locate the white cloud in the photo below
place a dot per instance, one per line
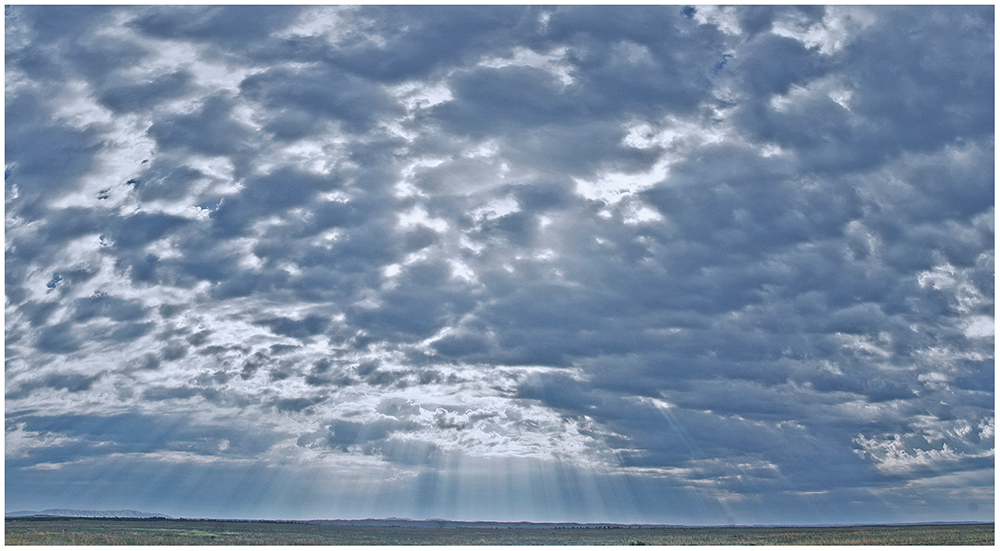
(722, 17)
(421, 95)
(980, 327)
(554, 62)
(892, 456)
(830, 34)
(19, 443)
(418, 216)
(496, 208)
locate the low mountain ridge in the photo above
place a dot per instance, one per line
(83, 513)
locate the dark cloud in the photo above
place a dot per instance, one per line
(146, 361)
(544, 195)
(460, 346)
(157, 394)
(499, 100)
(40, 172)
(71, 382)
(174, 351)
(55, 23)
(200, 337)
(166, 181)
(308, 326)
(58, 338)
(252, 364)
(227, 26)
(272, 193)
(135, 97)
(944, 84)
(370, 437)
(756, 19)
(301, 98)
(130, 331)
(297, 404)
(101, 305)
(773, 64)
(135, 433)
(422, 305)
(210, 131)
(420, 41)
(38, 313)
(870, 129)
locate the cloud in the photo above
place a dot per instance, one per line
(58, 338)
(736, 258)
(209, 131)
(226, 25)
(301, 98)
(135, 97)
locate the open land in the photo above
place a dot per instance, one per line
(105, 531)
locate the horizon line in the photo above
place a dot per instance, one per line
(160, 516)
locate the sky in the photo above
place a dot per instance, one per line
(665, 264)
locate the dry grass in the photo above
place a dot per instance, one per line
(65, 531)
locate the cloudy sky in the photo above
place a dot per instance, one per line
(636, 264)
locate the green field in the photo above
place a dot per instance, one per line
(79, 531)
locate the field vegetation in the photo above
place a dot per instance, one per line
(104, 531)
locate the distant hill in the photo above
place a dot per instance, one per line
(125, 513)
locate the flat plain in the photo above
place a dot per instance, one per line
(105, 531)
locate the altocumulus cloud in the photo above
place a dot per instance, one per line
(664, 264)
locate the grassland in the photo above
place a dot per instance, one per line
(79, 531)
